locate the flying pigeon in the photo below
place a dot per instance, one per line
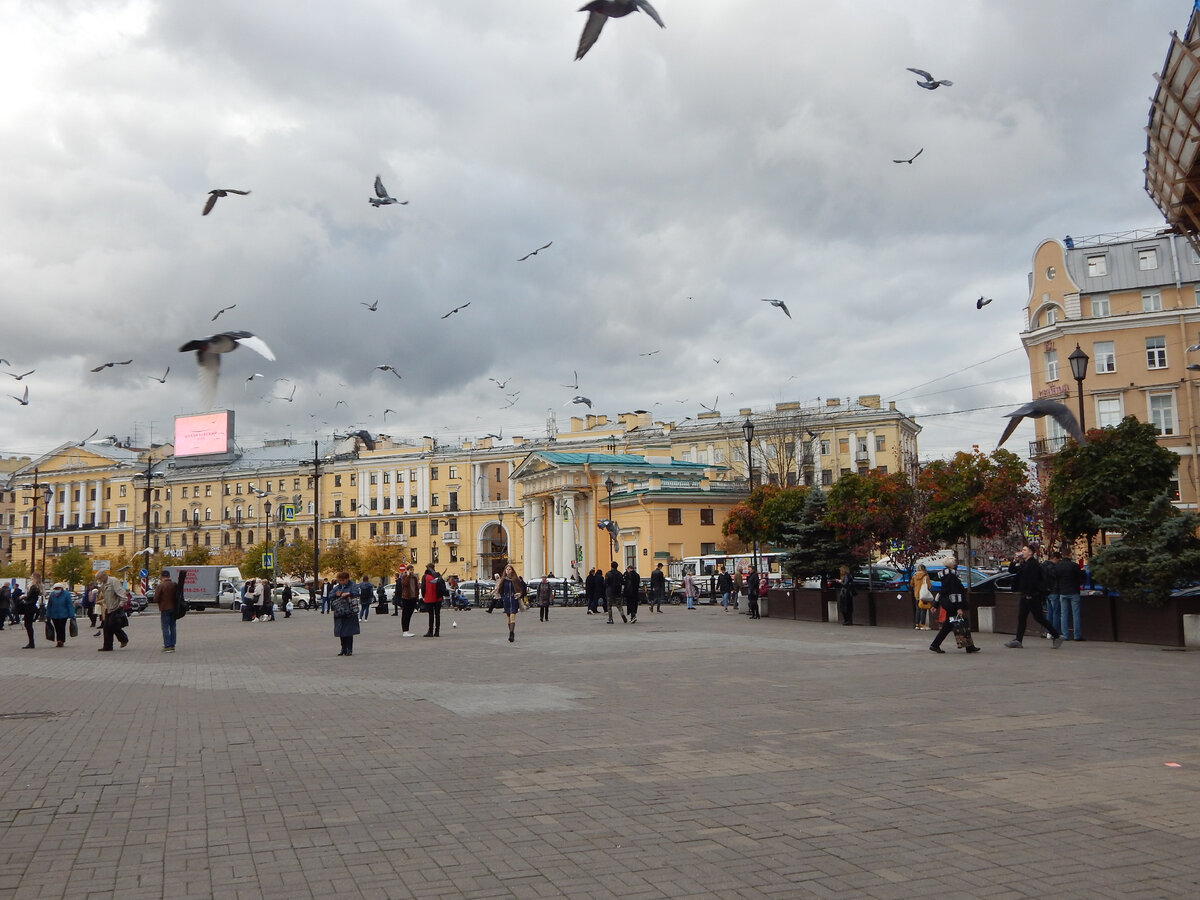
(24, 401)
(781, 305)
(88, 438)
(212, 200)
(382, 197)
(911, 158)
(162, 380)
(221, 310)
(512, 401)
(535, 252)
(371, 306)
(208, 352)
(22, 375)
(456, 309)
(611, 527)
(574, 386)
(109, 365)
(982, 302)
(716, 360)
(651, 353)
(582, 399)
(712, 408)
(600, 11)
(391, 369)
(501, 384)
(1036, 409)
(929, 84)
(254, 375)
(290, 397)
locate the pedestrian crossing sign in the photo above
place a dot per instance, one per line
(289, 512)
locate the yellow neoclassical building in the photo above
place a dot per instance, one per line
(469, 506)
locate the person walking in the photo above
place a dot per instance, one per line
(953, 599)
(737, 588)
(268, 601)
(366, 596)
(724, 587)
(32, 601)
(614, 585)
(593, 586)
(752, 593)
(343, 603)
(509, 590)
(544, 596)
(325, 592)
(286, 599)
(658, 589)
(5, 604)
(632, 591)
(112, 611)
(922, 598)
(409, 589)
(846, 592)
(60, 607)
(166, 596)
(690, 591)
(1068, 576)
(87, 603)
(433, 589)
(1029, 583)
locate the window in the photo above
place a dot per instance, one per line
(226, 490)
(1147, 259)
(1105, 356)
(497, 473)
(706, 517)
(1156, 353)
(452, 524)
(452, 472)
(183, 493)
(353, 531)
(412, 502)
(122, 513)
(1108, 412)
(412, 529)
(373, 479)
(674, 516)
(337, 480)
(121, 491)
(433, 500)
(387, 502)
(337, 509)
(1051, 316)
(387, 477)
(337, 531)
(1151, 301)
(1100, 307)
(882, 470)
(295, 484)
(826, 477)
(861, 445)
(843, 445)
(1097, 266)
(824, 448)
(453, 501)
(374, 504)
(880, 443)
(208, 514)
(1162, 412)
(238, 489)
(433, 473)
(1051, 359)
(353, 479)
(207, 491)
(433, 526)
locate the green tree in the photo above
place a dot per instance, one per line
(252, 566)
(973, 495)
(341, 557)
(15, 569)
(814, 548)
(296, 559)
(382, 560)
(1116, 468)
(196, 556)
(1157, 550)
(72, 567)
(764, 514)
(869, 510)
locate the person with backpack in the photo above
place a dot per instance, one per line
(166, 596)
(433, 591)
(1030, 583)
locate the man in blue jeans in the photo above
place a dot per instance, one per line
(1029, 583)
(166, 595)
(1067, 578)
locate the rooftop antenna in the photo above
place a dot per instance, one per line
(551, 425)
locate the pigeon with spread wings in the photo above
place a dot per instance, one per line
(1036, 409)
(212, 201)
(382, 197)
(208, 356)
(780, 305)
(929, 83)
(600, 11)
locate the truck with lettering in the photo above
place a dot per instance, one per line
(206, 587)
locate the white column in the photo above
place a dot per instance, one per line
(569, 529)
(527, 543)
(66, 489)
(512, 491)
(551, 532)
(535, 563)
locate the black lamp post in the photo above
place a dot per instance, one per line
(609, 484)
(748, 431)
(1079, 363)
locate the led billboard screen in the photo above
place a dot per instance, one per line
(204, 434)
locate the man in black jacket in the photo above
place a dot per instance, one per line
(614, 584)
(658, 588)
(632, 590)
(1067, 578)
(1029, 583)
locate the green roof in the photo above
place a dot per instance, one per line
(617, 459)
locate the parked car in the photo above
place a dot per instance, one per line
(469, 587)
(301, 599)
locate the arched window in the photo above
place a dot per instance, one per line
(208, 514)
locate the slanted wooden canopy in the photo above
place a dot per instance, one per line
(1173, 136)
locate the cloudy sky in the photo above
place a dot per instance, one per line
(682, 174)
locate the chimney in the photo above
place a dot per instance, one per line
(832, 401)
(871, 401)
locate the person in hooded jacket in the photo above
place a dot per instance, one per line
(60, 606)
(952, 597)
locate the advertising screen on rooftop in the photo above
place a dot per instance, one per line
(204, 434)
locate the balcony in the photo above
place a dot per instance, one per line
(449, 537)
(1046, 446)
(492, 504)
(862, 456)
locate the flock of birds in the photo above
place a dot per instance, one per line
(209, 350)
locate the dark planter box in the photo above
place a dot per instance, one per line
(1095, 610)
(810, 604)
(781, 603)
(1138, 624)
(862, 606)
(892, 611)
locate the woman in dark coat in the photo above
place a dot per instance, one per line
(33, 597)
(632, 591)
(343, 601)
(952, 597)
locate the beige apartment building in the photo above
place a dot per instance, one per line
(468, 506)
(1130, 303)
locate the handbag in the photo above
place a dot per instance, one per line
(120, 619)
(50, 631)
(73, 628)
(925, 597)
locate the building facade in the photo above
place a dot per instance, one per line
(1130, 303)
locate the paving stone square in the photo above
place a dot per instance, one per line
(693, 754)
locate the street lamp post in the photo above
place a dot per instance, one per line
(748, 431)
(609, 484)
(47, 496)
(268, 541)
(1079, 363)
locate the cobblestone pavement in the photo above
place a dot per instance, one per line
(694, 754)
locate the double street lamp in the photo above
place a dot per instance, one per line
(609, 484)
(748, 431)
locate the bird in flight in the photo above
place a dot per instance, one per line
(716, 360)
(911, 158)
(600, 11)
(981, 302)
(290, 397)
(456, 309)
(382, 197)
(535, 252)
(208, 356)
(386, 411)
(371, 306)
(574, 386)
(712, 408)
(162, 380)
(212, 199)
(22, 375)
(1036, 409)
(512, 401)
(88, 438)
(24, 401)
(929, 84)
(391, 369)
(254, 375)
(780, 304)
(221, 310)
(335, 406)
(109, 365)
(651, 353)
(498, 437)
(501, 384)
(582, 399)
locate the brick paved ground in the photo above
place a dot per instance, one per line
(695, 754)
